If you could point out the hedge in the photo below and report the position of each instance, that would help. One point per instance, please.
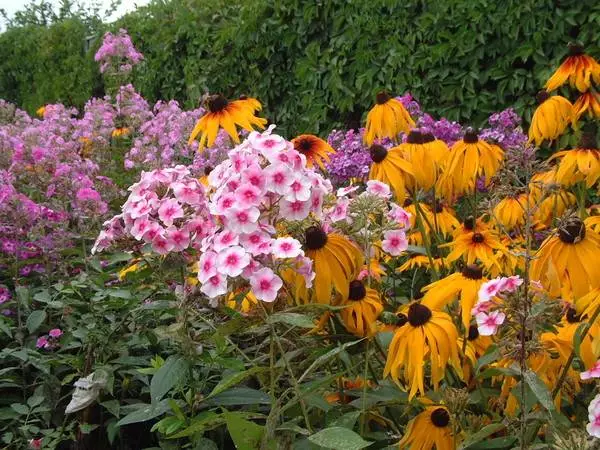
(316, 64)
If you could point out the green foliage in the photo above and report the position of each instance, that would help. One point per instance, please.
(315, 65)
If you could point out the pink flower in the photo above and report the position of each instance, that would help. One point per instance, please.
(481, 307)
(170, 210)
(225, 239)
(140, 226)
(394, 242)
(304, 267)
(279, 177)
(42, 342)
(55, 332)
(223, 203)
(257, 242)
(207, 266)
(35, 443)
(161, 245)
(399, 215)
(341, 192)
(340, 210)
(214, 286)
(255, 176)
(242, 220)
(298, 190)
(593, 428)
(178, 239)
(594, 372)
(490, 289)
(379, 189)
(294, 210)
(153, 229)
(232, 261)
(487, 324)
(267, 144)
(511, 284)
(189, 193)
(247, 195)
(265, 284)
(286, 247)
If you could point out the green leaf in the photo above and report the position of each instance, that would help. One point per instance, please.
(488, 358)
(500, 443)
(326, 357)
(246, 435)
(144, 412)
(339, 438)
(5, 328)
(348, 420)
(294, 319)
(481, 435)
(581, 328)
(204, 422)
(35, 319)
(20, 408)
(240, 396)
(172, 373)
(539, 389)
(234, 379)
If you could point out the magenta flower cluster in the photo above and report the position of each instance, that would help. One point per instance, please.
(117, 53)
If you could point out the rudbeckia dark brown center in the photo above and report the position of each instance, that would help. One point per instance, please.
(572, 232)
(473, 333)
(208, 170)
(478, 238)
(217, 103)
(407, 202)
(542, 96)
(473, 272)
(575, 49)
(357, 290)
(303, 145)
(401, 319)
(469, 223)
(587, 140)
(471, 136)
(440, 417)
(414, 137)
(378, 153)
(428, 137)
(572, 316)
(243, 97)
(382, 97)
(315, 238)
(418, 314)
(438, 207)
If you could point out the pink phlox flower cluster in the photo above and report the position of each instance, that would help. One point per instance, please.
(593, 427)
(117, 52)
(487, 320)
(49, 341)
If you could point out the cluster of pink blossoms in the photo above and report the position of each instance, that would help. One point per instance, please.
(49, 341)
(118, 53)
(488, 321)
(166, 209)
(262, 182)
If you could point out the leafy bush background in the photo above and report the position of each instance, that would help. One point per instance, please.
(315, 64)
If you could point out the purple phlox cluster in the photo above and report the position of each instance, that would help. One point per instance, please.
(505, 130)
(117, 53)
(352, 158)
(5, 294)
(163, 139)
(132, 109)
(209, 158)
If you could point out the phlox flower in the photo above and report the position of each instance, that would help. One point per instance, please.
(268, 144)
(152, 230)
(179, 239)
(594, 372)
(343, 191)
(242, 220)
(232, 260)
(511, 284)
(304, 267)
(140, 226)
(207, 266)
(169, 210)
(257, 242)
(286, 247)
(214, 286)
(278, 178)
(255, 176)
(265, 284)
(593, 428)
(294, 210)
(161, 245)
(42, 342)
(224, 201)
(339, 210)
(55, 333)
(490, 289)
(247, 195)
(379, 189)
(225, 239)
(298, 190)
(190, 193)
(487, 324)
(399, 215)
(35, 444)
(394, 242)
(481, 307)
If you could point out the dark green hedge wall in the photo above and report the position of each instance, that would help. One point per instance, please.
(316, 64)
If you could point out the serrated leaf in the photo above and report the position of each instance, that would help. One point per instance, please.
(35, 319)
(339, 438)
(294, 319)
(172, 373)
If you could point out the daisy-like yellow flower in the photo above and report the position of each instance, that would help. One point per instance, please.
(551, 118)
(227, 115)
(251, 103)
(572, 255)
(579, 164)
(86, 147)
(40, 111)
(510, 211)
(475, 347)
(553, 205)
(463, 285)
(315, 149)
(469, 159)
(427, 334)
(386, 119)
(336, 262)
(578, 69)
(481, 243)
(120, 132)
(363, 306)
(426, 153)
(429, 430)
(419, 261)
(443, 218)
(390, 167)
(588, 102)
(243, 305)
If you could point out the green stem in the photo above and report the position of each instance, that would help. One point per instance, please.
(363, 406)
